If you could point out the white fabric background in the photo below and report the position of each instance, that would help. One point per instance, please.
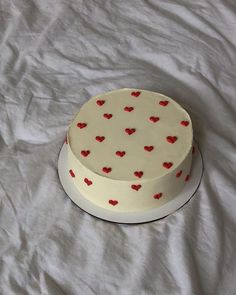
(54, 56)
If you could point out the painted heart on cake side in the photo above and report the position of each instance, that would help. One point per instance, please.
(120, 153)
(100, 138)
(178, 174)
(113, 202)
(148, 148)
(72, 174)
(171, 139)
(154, 119)
(81, 125)
(138, 174)
(187, 177)
(135, 93)
(87, 181)
(167, 165)
(100, 102)
(136, 187)
(107, 116)
(130, 130)
(157, 196)
(163, 103)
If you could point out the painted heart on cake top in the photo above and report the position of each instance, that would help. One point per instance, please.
(81, 125)
(128, 109)
(171, 139)
(184, 123)
(148, 148)
(164, 103)
(100, 102)
(135, 93)
(130, 130)
(106, 169)
(100, 138)
(154, 119)
(138, 174)
(167, 165)
(107, 116)
(85, 153)
(120, 153)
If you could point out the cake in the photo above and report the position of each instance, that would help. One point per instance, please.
(130, 150)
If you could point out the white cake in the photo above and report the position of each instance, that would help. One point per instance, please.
(130, 149)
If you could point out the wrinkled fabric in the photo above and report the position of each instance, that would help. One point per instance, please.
(55, 55)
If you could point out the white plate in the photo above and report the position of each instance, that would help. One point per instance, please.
(132, 217)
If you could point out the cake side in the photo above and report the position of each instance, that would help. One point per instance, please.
(126, 195)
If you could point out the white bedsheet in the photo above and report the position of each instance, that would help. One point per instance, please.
(55, 55)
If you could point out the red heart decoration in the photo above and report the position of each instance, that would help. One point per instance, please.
(120, 153)
(148, 148)
(163, 103)
(154, 119)
(72, 174)
(136, 186)
(171, 139)
(100, 138)
(187, 177)
(66, 141)
(138, 174)
(106, 169)
(135, 93)
(167, 165)
(113, 202)
(157, 196)
(193, 150)
(107, 116)
(178, 174)
(130, 130)
(100, 102)
(184, 123)
(87, 181)
(85, 153)
(81, 125)
(128, 109)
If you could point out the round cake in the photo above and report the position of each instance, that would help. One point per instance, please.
(130, 150)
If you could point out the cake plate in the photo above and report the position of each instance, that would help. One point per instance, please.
(131, 217)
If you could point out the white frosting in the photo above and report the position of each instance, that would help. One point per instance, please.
(136, 177)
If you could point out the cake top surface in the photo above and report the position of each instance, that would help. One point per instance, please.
(129, 134)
